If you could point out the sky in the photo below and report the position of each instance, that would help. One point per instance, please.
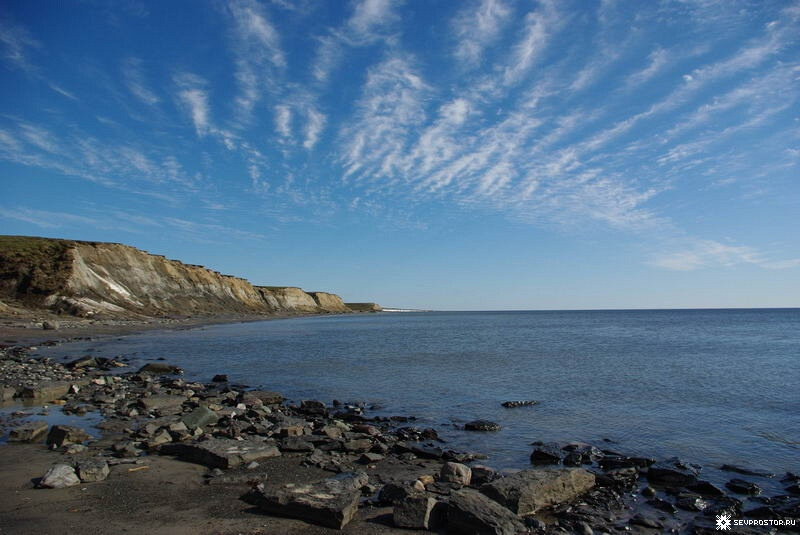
(439, 154)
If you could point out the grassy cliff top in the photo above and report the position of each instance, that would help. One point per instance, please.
(33, 266)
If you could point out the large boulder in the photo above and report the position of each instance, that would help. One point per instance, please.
(59, 477)
(200, 417)
(471, 513)
(160, 368)
(46, 391)
(222, 452)
(95, 469)
(331, 502)
(414, 512)
(28, 432)
(528, 491)
(61, 435)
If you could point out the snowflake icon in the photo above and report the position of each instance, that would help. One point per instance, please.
(724, 522)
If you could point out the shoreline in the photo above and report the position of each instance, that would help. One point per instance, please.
(618, 501)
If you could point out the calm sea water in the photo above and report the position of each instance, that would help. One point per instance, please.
(709, 386)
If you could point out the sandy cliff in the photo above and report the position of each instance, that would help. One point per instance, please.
(109, 279)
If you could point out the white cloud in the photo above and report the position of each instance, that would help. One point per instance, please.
(539, 26)
(193, 97)
(478, 26)
(713, 254)
(314, 126)
(135, 82)
(283, 120)
(16, 42)
(657, 60)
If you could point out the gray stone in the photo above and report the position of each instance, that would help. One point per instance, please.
(160, 402)
(7, 393)
(667, 475)
(547, 453)
(393, 493)
(92, 470)
(414, 512)
(361, 445)
(159, 439)
(331, 502)
(222, 452)
(28, 432)
(266, 397)
(456, 473)
(46, 391)
(482, 474)
(472, 513)
(50, 325)
(527, 491)
(59, 477)
(60, 435)
(200, 417)
(296, 444)
(160, 368)
(369, 458)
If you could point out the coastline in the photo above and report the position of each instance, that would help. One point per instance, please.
(202, 500)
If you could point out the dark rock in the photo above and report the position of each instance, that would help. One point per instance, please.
(369, 458)
(159, 368)
(740, 486)
(87, 361)
(513, 404)
(92, 470)
(647, 492)
(662, 505)
(392, 493)
(482, 474)
(549, 453)
(668, 475)
(704, 488)
(220, 378)
(528, 491)
(266, 397)
(361, 445)
(312, 406)
(28, 432)
(46, 391)
(793, 489)
(50, 325)
(614, 462)
(746, 471)
(481, 425)
(59, 477)
(690, 502)
(331, 503)
(622, 478)
(470, 512)
(60, 435)
(640, 520)
(414, 512)
(222, 452)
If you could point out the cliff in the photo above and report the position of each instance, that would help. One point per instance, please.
(91, 279)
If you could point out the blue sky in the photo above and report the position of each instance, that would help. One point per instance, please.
(483, 154)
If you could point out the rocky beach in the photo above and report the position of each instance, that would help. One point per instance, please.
(146, 450)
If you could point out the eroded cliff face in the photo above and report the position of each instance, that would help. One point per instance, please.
(110, 279)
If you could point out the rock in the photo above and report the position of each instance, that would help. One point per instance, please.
(159, 368)
(331, 503)
(527, 491)
(200, 417)
(74, 449)
(7, 393)
(331, 431)
(159, 439)
(662, 505)
(312, 406)
(704, 488)
(60, 435)
(161, 402)
(393, 493)
(481, 425)
(361, 445)
(482, 474)
(264, 396)
(668, 475)
(296, 444)
(614, 462)
(50, 325)
(691, 502)
(740, 486)
(92, 470)
(220, 378)
(46, 391)
(87, 361)
(369, 458)
(639, 520)
(28, 432)
(548, 453)
(513, 404)
(59, 477)
(621, 478)
(414, 512)
(456, 473)
(648, 492)
(470, 513)
(291, 431)
(222, 452)
(746, 471)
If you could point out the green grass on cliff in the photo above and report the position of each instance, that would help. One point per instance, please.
(32, 267)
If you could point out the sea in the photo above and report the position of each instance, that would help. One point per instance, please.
(707, 386)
